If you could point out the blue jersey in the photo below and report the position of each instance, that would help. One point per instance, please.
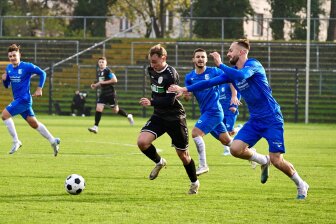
(251, 83)
(225, 95)
(19, 78)
(208, 99)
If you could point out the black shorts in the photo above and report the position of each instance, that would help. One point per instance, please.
(177, 130)
(108, 100)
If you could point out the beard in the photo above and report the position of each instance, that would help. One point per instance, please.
(200, 66)
(233, 61)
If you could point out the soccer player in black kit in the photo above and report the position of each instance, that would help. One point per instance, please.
(168, 117)
(106, 94)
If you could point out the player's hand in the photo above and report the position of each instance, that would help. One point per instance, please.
(217, 58)
(176, 88)
(38, 92)
(235, 101)
(4, 76)
(145, 102)
(187, 96)
(95, 85)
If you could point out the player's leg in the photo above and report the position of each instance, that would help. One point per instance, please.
(178, 132)
(29, 116)
(275, 138)
(98, 115)
(149, 132)
(9, 123)
(221, 133)
(197, 135)
(116, 109)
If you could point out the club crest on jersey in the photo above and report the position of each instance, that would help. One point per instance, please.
(160, 79)
(206, 77)
(20, 71)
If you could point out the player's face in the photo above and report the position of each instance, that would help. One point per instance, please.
(233, 53)
(200, 59)
(14, 57)
(157, 63)
(102, 64)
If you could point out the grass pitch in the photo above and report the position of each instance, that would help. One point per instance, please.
(118, 189)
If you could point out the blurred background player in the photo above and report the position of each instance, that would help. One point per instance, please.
(78, 103)
(18, 75)
(106, 94)
(211, 119)
(229, 98)
(168, 117)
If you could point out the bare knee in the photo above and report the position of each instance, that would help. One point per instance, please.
(276, 160)
(184, 156)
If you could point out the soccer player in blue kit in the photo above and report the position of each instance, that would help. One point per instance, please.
(266, 121)
(18, 75)
(211, 120)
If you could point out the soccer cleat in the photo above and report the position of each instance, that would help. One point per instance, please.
(194, 187)
(302, 191)
(55, 146)
(265, 171)
(202, 169)
(15, 147)
(157, 168)
(226, 151)
(130, 119)
(94, 129)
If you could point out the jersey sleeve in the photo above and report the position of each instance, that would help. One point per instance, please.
(249, 69)
(38, 71)
(208, 83)
(6, 82)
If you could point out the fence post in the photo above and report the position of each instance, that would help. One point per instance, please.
(296, 96)
(51, 88)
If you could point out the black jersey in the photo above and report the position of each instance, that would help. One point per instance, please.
(104, 75)
(166, 105)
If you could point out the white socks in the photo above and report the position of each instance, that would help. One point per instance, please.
(200, 146)
(297, 179)
(11, 129)
(258, 158)
(45, 133)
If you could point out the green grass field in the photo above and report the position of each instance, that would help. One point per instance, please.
(118, 189)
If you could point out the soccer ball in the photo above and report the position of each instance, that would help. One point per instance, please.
(74, 184)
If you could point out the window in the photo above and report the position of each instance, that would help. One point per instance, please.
(258, 20)
(125, 24)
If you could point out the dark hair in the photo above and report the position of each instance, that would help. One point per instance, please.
(198, 50)
(14, 47)
(245, 43)
(157, 49)
(102, 58)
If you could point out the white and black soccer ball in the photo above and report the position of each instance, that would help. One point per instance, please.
(74, 184)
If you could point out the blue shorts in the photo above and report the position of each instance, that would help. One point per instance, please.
(22, 107)
(270, 128)
(211, 122)
(229, 121)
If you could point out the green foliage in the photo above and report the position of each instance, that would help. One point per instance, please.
(291, 9)
(118, 190)
(210, 28)
(96, 26)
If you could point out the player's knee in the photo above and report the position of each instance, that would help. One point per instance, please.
(236, 151)
(276, 160)
(143, 144)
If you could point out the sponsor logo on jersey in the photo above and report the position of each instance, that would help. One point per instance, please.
(157, 89)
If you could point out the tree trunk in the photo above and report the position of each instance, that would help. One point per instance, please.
(331, 34)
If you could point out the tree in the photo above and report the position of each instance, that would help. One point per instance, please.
(96, 27)
(331, 33)
(152, 12)
(282, 9)
(220, 8)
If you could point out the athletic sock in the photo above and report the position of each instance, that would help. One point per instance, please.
(122, 112)
(258, 158)
(98, 116)
(200, 146)
(191, 171)
(11, 129)
(44, 132)
(152, 154)
(297, 179)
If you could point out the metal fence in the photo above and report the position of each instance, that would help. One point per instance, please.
(180, 27)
